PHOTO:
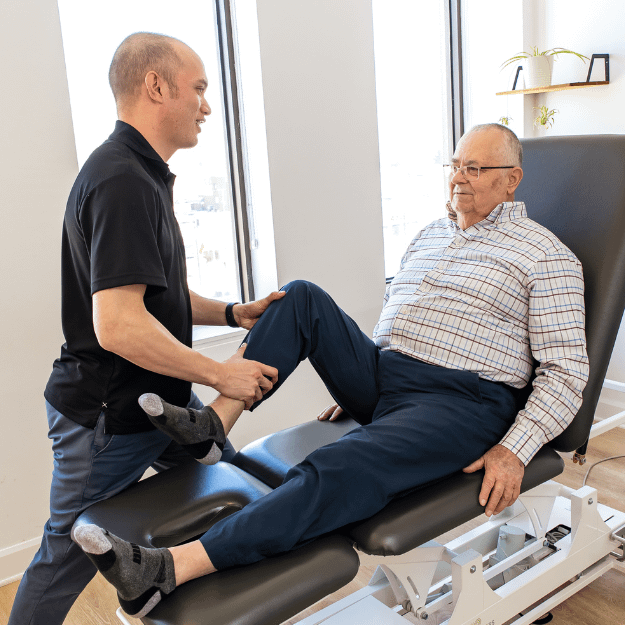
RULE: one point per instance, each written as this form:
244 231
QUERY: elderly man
475 301
127 314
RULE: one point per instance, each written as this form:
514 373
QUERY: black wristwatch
230 320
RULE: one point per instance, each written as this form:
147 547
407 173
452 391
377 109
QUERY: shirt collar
502 213
130 136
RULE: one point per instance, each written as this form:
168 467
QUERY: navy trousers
89 466
420 422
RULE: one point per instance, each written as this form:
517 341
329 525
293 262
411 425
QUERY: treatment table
514 567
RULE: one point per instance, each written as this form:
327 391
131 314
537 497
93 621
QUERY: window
412 64
209 185
489 37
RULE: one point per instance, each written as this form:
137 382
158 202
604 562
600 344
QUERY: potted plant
537 65
545 117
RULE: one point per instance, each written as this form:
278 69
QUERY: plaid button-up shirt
489 299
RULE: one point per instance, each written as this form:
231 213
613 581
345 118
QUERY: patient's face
474 200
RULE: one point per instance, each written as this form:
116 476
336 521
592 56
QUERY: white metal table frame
416 586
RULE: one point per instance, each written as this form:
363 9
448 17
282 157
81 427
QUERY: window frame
456 72
234 139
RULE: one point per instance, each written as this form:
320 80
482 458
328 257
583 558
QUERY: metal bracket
410 575
620 557
606 59
539 503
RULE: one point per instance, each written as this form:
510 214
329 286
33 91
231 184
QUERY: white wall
588 29
38 164
322 141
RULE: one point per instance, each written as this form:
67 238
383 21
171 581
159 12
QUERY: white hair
513 147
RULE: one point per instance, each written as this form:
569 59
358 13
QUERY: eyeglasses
471 172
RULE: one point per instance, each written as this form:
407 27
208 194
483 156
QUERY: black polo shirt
119 229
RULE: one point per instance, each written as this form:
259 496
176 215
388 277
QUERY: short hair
139 54
513 145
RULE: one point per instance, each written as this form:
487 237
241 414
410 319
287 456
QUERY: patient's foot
141 576
200 432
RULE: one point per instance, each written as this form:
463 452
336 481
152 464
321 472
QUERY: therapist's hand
245 380
246 315
331 413
501 486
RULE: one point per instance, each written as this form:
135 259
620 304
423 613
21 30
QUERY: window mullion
235 145
457 88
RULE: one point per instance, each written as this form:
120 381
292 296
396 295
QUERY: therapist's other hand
501 486
246 380
331 413
246 315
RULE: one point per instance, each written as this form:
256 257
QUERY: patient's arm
558 343
502 480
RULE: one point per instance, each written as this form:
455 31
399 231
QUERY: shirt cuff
523 444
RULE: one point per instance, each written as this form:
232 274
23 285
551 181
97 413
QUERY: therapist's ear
155 86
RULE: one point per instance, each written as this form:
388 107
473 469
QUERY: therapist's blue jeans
89 466
420 423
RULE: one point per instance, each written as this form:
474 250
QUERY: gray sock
200 432
141 576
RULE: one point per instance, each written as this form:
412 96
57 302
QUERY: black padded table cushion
408 521
176 505
575 187
182 503
270 458
264 593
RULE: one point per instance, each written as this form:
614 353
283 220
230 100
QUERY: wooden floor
599 603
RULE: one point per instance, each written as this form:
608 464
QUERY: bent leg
89 466
430 422
417 436
307 323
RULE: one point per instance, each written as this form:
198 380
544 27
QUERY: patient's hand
331 413
502 480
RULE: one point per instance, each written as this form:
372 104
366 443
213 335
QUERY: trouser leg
417 436
89 466
307 323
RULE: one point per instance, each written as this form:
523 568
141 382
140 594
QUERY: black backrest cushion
575 187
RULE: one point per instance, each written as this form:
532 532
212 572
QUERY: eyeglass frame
478 167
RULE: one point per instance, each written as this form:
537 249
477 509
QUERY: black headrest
575 187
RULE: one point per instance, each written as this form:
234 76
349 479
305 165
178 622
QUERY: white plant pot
537 71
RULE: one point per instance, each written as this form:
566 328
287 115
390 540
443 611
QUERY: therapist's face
186 107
